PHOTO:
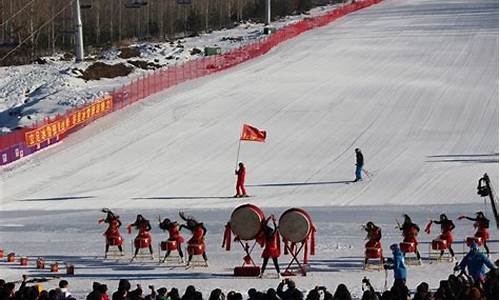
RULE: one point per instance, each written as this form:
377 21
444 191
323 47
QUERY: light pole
78 32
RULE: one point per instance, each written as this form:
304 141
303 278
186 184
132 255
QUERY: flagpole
238 154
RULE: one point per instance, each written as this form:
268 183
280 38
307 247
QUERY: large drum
246 221
295 225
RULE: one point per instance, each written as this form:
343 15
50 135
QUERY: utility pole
268 12
78 32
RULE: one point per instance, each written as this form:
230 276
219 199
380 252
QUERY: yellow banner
53 129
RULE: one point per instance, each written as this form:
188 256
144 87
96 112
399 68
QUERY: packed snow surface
413 84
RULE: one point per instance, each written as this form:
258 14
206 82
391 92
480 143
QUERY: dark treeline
44 27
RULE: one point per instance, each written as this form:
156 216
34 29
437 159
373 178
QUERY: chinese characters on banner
53 129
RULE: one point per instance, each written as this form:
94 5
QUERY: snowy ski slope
414 84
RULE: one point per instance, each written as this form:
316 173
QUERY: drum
114 240
142 241
295 225
470 239
246 221
438 244
373 252
195 249
407 247
169 245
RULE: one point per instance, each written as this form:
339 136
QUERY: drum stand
374 259
248 268
435 248
197 259
142 255
170 260
114 253
294 252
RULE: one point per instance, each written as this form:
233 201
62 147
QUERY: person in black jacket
359 164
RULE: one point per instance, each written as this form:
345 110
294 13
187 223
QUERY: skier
270 239
446 235
359 164
112 234
240 182
373 235
410 232
174 236
475 261
481 223
143 238
197 242
398 264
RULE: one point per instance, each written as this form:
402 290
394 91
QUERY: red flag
253 134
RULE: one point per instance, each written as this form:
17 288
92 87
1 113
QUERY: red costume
240 182
112 234
272 246
143 238
196 243
410 233
374 235
175 234
482 230
446 228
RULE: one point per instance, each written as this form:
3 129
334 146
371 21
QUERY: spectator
422 292
63 287
398 264
103 290
162 294
122 292
292 293
271 295
216 294
174 294
475 262
95 294
342 293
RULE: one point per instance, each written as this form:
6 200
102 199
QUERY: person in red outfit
373 235
143 238
481 223
270 238
240 182
174 233
196 244
112 234
446 235
410 232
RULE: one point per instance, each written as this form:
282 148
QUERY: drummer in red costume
173 229
481 223
112 234
270 238
143 238
410 232
196 244
446 235
373 235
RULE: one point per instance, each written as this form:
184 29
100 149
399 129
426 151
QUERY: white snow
34 92
414 84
